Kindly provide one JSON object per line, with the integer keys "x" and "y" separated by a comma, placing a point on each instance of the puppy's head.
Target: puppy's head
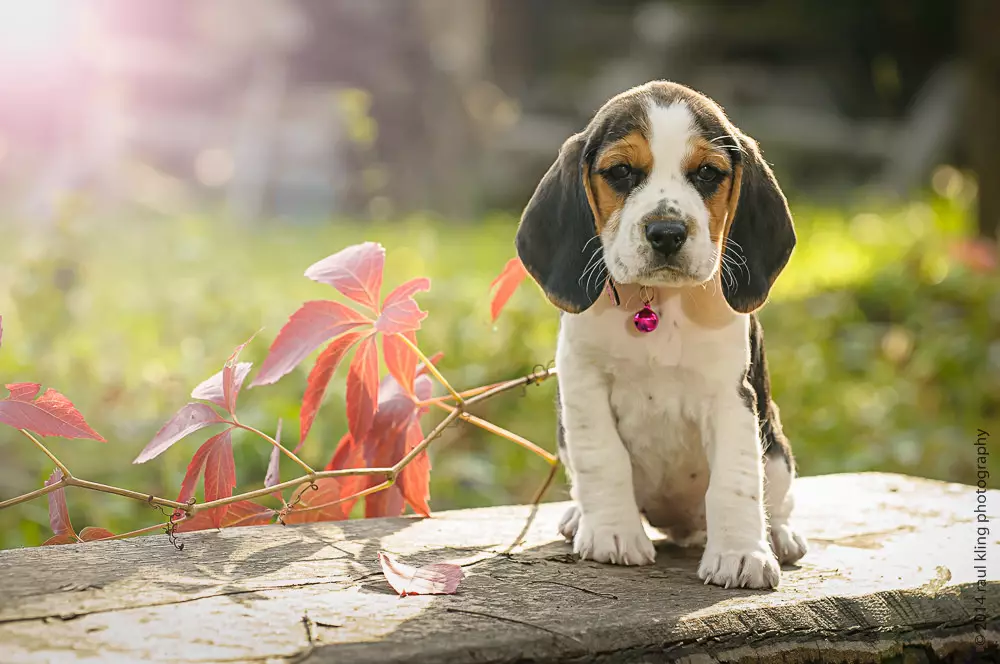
{"x": 660, "y": 189}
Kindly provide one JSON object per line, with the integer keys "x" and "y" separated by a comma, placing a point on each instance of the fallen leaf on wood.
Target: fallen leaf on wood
{"x": 433, "y": 579}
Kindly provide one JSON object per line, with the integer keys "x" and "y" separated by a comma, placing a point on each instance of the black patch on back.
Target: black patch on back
{"x": 756, "y": 393}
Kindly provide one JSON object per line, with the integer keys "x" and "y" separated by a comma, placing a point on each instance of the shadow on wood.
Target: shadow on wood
{"x": 891, "y": 572}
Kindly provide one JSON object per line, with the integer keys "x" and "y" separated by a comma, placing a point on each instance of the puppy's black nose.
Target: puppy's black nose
{"x": 666, "y": 237}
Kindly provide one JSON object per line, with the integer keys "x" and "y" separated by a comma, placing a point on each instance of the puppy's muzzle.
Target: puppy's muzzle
{"x": 666, "y": 237}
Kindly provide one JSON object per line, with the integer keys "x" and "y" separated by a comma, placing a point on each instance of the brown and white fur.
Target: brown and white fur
{"x": 663, "y": 195}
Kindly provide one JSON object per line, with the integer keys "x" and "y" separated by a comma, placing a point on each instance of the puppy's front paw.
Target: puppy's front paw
{"x": 615, "y": 543}
{"x": 753, "y": 568}
{"x": 787, "y": 544}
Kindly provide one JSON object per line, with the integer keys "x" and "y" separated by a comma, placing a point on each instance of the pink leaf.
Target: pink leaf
{"x": 212, "y": 389}
{"x": 233, "y": 375}
{"x": 505, "y": 284}
{"x": 400, "y": 359}
{"x": 58, "y": 512}
{"x": 355, "y": 271}
{"x": 91, "y": 534}
{"x": 192, "y": 417}
{"x": 362, "y": 388}
{"x": 51, "y": 414}
{"x": 314, "y": 323}
{"x": 434, "y": 579}
{"x": 400, "y": 312}
{"x": 61, "y": 539}
{"x": 319, "y": 378}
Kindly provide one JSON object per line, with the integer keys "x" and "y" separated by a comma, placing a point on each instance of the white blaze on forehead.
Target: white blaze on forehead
{"x": 670, "y": 129}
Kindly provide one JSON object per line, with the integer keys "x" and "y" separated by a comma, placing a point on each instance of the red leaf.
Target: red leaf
{"x": 220, "y": 473}
{"x": 91, "y": 534}
{"x": 395, "y": 432}
{"x": 407, "y": 290}
{"x": 331, "y": 489}
{"x": 58, "y": 512}
{"x": 306, "y": 330}
{"x": 319, "y": 378}
{"x": 415, "y": 478}
{"x": 23, "y": 391}
{"x": 400, "y": 359}
{"x": 51, "y": 414}
{"x": 505, "y": 284}
{"x": 199, "y": 463}
{"x": 61, "y": 539}
{"x": 273, "y": 475}
{"x": 243, "y": 513}
{"x": 355, "y": 271}
{"x": 192, "y": 417}
{"x": 400, "y": 312}
{"x": 193, "y": 472}
{"x": 434, "y": 579}
{"x": 362, "y": 388}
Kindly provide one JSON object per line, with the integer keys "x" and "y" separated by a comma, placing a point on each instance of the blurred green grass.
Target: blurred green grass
{"x": 884, "y": 354}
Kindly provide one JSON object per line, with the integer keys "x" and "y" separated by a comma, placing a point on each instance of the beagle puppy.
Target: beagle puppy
{"x": 659, "y": 230}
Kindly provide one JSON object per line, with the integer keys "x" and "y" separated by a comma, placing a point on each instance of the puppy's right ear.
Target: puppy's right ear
{"x": 556, "y": 237}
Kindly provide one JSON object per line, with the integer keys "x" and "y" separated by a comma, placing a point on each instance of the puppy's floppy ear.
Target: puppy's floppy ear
{"x": 557, "y": 226}
{"x": 761, "y": 236}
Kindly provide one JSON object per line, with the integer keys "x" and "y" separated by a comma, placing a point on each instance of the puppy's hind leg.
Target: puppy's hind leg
{"x": 779, "y": 500}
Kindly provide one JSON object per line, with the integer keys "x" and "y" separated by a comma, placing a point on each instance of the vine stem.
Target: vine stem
{"x": 50, "y": 455}
{"x": 433, "y": 369}
{"x": 466, "y": 399}
{"x": 284, "y": 450}
{"x": 503, "y": 433}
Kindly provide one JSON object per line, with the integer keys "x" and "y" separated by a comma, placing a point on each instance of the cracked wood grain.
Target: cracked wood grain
{"x": 890, "y": 573}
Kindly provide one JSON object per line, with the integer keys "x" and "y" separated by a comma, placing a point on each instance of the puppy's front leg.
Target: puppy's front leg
{"x": 737, "y": 553}
{"x": 607, "y": 521}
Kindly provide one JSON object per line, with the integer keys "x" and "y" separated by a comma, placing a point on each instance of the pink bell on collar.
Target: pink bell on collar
{"x": 645, "y": 320}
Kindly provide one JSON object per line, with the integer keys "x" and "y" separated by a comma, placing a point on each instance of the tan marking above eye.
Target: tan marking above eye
{"x": 631, "y": 150}
{"x": 704, "y": 152}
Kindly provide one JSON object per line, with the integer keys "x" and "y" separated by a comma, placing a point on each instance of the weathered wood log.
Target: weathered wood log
{"x": 892, "y": 572}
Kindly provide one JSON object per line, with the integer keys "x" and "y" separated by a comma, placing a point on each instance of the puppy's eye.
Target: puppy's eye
{"x": 619, "y": 172}
{"x": 708, "y": 173}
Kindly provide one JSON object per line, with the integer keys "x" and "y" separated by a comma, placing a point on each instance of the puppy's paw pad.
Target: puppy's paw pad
{"x": 616, "y": 544}
{"x": 787, "y": 544}
{"x": 569, "y": 523}
{"x": 756, "y": 568}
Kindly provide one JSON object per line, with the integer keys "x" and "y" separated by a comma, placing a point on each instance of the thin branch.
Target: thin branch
{"x": 433, "y": 369}
{"x": 306, "y": 479}
{"x": 50, "y": 455}
{"x": 353, "y": 496}
{"x": 542, "y": 490}
{"x": 127, "y": 493}
{"x": 133, "y": 533}
{"x": 464, "y": 400}
{"x": 287, "y": 452}
{"x": 31, "y": 495}
{"x": 503, "y": 433}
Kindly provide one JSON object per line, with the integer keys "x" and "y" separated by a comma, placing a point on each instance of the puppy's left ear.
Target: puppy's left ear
{"x": 761, "y": 236}
{"x": 557, "y": 237}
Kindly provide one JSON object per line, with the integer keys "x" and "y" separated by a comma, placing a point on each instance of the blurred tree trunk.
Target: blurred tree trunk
{"x": 982, "y": 127}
